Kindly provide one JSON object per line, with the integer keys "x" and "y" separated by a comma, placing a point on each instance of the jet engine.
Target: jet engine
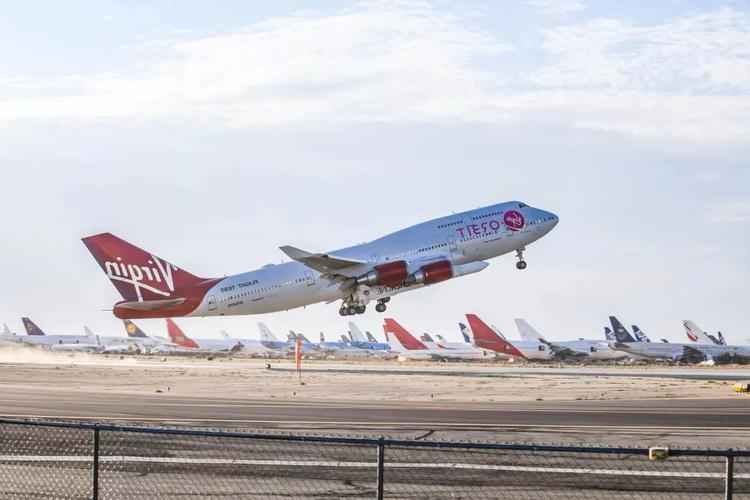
{"x": 390, "y": 274}
{"x": 434, "y": 272}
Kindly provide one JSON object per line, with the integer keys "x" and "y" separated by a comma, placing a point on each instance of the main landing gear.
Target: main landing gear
{"x": 352, "y": 310}
{"x": 348, "y": 309}
{"x": 521, "y": 264}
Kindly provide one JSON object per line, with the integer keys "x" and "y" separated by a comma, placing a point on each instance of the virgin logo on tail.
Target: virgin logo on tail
{"x": 158, "y": 271}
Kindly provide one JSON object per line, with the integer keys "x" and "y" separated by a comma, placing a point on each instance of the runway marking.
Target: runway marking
{"x": 391, "y": 465}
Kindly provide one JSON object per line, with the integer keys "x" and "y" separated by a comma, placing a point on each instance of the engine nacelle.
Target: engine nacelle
{"x": 434, "y": 272}
{"x": 390, "y": 274}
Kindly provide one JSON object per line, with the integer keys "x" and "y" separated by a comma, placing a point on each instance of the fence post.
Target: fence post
{"x": 381, "y": 466}
{"x": 729, "y": 481}
{"x": 95, "y": 488}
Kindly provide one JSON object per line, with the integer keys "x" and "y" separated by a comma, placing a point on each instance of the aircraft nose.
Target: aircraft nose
{"x": 551, "y": 219}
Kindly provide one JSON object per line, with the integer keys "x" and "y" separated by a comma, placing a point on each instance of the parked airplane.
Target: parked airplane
{"x": 269, "y": 340}
{"x": 306, "y": 344}
{"x": 340, "y": 348}
{"x": 177, "y": 336}
{"x": 249, "y": 346}
{"x": 406, "y": 345}
{"x": 36, "y": 336}
{"x": 424, "y": 254}
{"x": 486, "y": 338}
{"x": 581, "y": 348}
{"x": 360, "y": 341}
{"x": 675, "y": 351}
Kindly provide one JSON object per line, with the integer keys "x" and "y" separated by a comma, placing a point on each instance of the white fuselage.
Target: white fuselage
{"x": 466, "y": 239}
{"x": 676, "y": 351}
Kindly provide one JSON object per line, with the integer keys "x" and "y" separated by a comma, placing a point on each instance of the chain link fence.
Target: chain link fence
{"x": 65, "y": 460}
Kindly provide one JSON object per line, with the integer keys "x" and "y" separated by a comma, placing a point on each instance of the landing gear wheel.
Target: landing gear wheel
{"x": 351, "y": 311}
{"x": 361, "y": 309}
{"x": 380, "y": 307}
{"x": 343, "y": 311}
{"x": 521, "y": 264}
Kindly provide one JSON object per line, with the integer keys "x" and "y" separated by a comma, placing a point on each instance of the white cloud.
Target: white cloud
{"x": 681, "y": 80}
{"x": 557, "y": 8}
{"x": 706, "y": 52}
{"x": 380, "y": 61}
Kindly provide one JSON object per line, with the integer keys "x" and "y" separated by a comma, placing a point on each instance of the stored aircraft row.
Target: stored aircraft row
{"x": 480, "y": 341}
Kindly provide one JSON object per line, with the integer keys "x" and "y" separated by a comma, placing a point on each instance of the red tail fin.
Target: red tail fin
{"x": 138, "y": 275}
{"x": 177, "y": 336}
{"x": 486, "y": 338}
{"x": 406, "y": 338}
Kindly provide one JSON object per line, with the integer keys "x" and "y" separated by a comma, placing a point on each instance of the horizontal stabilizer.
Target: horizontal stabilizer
{"x": 322, "y": 263}
{"x": 150, "y": 305}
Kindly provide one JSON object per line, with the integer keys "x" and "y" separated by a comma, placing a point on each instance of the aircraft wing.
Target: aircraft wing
{"x": 323, "y": 263}
{"x": 561, "y": 351}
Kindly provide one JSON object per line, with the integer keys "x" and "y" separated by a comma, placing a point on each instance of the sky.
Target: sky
{"x": 213, "y": 133}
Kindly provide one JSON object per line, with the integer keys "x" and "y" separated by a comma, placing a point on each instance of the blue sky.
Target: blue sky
{"x": 211, "y": 135}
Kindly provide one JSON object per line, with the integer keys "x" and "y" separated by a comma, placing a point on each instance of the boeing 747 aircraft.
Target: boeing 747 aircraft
{"x": 421, "y": 255}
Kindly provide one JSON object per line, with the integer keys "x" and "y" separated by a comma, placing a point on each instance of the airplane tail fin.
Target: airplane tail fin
{"x": 356, "y": 333}
{"x": 465, "y": 333}
{"x": 402, "y": 335}
{"x": 322, "y": 338}
{"x": 371, "y": 337}
{"x": 132, "y": 330}
{"x": 640, "y": 336}
{"x": 225, "y": 335}
{"x": 177, "y": 336}
{"x": 137, "y": 274}
{"x": 695, "y": 334}
{"x": 609, "y": 334}
{"x": 426, "y": 338}
{"x": 621, "y": 333}
{"x": 31, "y": 328}
{"x": 93, "y": 338}
{"x": 345, "y": 340}
{"x": 6, "y": 330}
{"x": 394, "y": 342}
{"x": 304, "y": 339}
{"x": 291, "y": 336}
{"x": 721, "y": 338}
{"x": 266, "y": 335}
{"x": 486, "y": 338}
{"x": 527, "y": 331}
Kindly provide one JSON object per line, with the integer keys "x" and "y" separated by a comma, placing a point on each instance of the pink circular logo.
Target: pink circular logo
{"x": 514, "y": 220}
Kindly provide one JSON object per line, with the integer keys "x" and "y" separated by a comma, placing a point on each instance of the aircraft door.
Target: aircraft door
{"x": 309, "y": 278}
{"x": 453, "y": 247}
{"x": 211, "y": 302}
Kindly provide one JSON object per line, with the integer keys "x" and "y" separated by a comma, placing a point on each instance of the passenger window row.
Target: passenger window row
{"x": 260, "y": 290}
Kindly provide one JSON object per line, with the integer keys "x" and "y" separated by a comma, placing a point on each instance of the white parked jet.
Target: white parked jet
{"x": 424, "y": 254}
{"x": 581, "y": 348}
{"x": 406, "y": 345}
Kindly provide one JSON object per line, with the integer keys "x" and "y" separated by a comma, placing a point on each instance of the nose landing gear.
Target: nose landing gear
{"x": 521, "y": 264}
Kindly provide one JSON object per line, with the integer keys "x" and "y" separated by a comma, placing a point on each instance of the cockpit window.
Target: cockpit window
{"x": 522, "y": 205}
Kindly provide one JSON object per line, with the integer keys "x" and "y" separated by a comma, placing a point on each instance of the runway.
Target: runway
{"x": 231, "y": 412}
